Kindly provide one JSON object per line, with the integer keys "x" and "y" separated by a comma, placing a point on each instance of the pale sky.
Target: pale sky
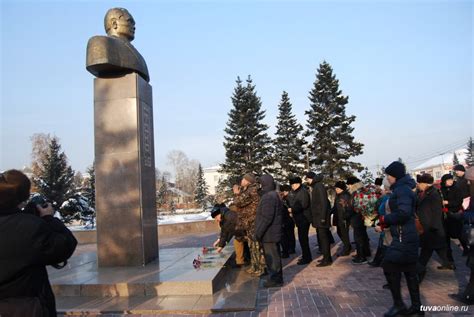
{"x": 406, "y": 66}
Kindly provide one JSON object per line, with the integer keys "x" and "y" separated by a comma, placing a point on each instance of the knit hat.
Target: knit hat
{"x": 425, "y": 178}
{"x": 341, "y": 185}
{"x": 396, "y": 169}
{"x": 285, "y": 188}
{"x": 216, "y": 210}
{"x": 249, "y": 177}
{"x": 311, "y": 175}
{"x": 459, "y": 167}
{"x": 378, "y": 181}
{"x": 14, "y": 188}
{"x": 351, "y": 180}
{"x": 445, "y": 177}
{"x": 295, "y": 180}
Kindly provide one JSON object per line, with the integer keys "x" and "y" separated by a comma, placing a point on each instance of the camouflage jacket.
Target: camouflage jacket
{"x": 247, "y": 203}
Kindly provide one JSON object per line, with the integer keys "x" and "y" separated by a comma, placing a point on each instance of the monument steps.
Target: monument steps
{"x": 170, "y": 284}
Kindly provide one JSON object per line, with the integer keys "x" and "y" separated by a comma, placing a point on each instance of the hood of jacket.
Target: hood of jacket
{"x": 355, "y": 187}
{"x": 267, "y": 182}
{"x": 317, "y": 179}
{"x": 405, "y": 180}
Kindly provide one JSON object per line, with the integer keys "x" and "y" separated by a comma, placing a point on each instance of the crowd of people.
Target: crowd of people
{"x": 414, "y": 218}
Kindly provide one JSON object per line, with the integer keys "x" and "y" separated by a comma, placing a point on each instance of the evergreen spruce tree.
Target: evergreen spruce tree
{"x": 90, "y": 188}
{"x": 455, "y": 159}
{"x": 470, "y": 153}
{"x": 54, "y": 178}
{"x": 288, "y": 146}
{"x": 202, "y": 192}
{"x": 367, "y": 177}
{"x": 329, "y": 129}
{"x": 162, "y": 192}
{"x": 247, "y": 145}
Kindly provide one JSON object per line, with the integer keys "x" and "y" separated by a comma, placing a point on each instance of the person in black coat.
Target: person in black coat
{"x": 321, "y": 215}
{"x": 402, "y": 253}
{"x": 268, "y": 223}
{"x": 28, "y": 243}
{"x": 227, "y": 220}
{"x": 452, "y": 201}
{"x": 288, "y": 242}
{"x": 467, "y": 295}
{"x": 361, "y": 237}
{"x": 461, "y": 181}
{"x": 429, "y": 210}
{"x": 342, "y": 213}
{"x": 299, "y": 203}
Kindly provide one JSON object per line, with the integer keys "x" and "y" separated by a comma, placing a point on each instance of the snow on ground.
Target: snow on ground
{"x": 165, "y": 219}
{"x": 170, "y": 219}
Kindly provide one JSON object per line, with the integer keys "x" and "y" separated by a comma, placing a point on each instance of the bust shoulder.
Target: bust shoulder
{"x": 110, "y": 56}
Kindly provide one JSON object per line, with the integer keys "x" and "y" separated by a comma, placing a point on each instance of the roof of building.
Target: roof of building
{"x": 212, "y": 168}
{"x": 446, "y": 158}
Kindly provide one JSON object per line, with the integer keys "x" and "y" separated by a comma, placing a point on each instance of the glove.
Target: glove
{"x": 382, "y": 222}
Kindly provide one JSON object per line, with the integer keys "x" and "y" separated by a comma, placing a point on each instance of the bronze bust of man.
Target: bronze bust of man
{"x": 113, "y": 55}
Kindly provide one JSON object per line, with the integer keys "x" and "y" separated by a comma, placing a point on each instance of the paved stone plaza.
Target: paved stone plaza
{"x": 342, "y": 289}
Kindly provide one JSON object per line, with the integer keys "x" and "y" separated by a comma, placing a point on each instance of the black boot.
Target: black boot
{"x": 421, "y": 276}
{"x": 414, "y": 289}
{"x": 398, "y": 307}
{"x": 377, "y": 258}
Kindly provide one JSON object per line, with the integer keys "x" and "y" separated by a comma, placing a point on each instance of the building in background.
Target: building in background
{"x": 213, "y": 177}
{"x": 439, "y": 165}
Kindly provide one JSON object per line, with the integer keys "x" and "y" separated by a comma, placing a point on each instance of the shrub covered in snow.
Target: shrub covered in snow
{"x": 77, "y": 207}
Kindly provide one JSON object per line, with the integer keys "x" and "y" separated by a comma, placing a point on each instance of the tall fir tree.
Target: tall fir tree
{"x": 455, "y": 159}
{"x": 54, "y": 178}
{"x": 470, "y": 153}
{"x": 161, "y": 195}
{"x": 367, "y": 177}
{"x": 202, "y": 190}
{"x": 331, "y": 143}
{"x": 247, "y": 145}
{"x": 90, "y": 187}
{"x": 288, "y": 146}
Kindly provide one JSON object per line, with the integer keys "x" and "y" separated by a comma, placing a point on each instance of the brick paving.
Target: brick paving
{"x": 342, "y": 289}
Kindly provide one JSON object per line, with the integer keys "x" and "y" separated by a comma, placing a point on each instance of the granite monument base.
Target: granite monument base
{"x": 173, "y": 285}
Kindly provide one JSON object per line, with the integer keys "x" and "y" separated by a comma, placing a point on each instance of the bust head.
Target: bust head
{"x": 119, "y": 22}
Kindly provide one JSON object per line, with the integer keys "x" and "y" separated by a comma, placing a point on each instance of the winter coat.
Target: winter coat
{"x": 28, "y": 243}
{"x": 342, "y": 209}
{"x": 453, "y": 221}
{"x": 463, "y": 187}
{"x": 429, "y": 209}
{"x": 246, "y": 203}
{"x": 300, "y": 205}
{"x": 228, "y": 223}
{"x": 320, "y": 206}
{"x": 269, "y": 213}
{"x": 287, "y": 220}
{"x": 469, "y": 219}
{"x": 401, "y": 219}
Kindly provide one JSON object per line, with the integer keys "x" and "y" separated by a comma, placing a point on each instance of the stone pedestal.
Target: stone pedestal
{"x": 125, "y": 172}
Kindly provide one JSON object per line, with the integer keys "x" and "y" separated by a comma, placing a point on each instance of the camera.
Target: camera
{"x": 35, "y": 199}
